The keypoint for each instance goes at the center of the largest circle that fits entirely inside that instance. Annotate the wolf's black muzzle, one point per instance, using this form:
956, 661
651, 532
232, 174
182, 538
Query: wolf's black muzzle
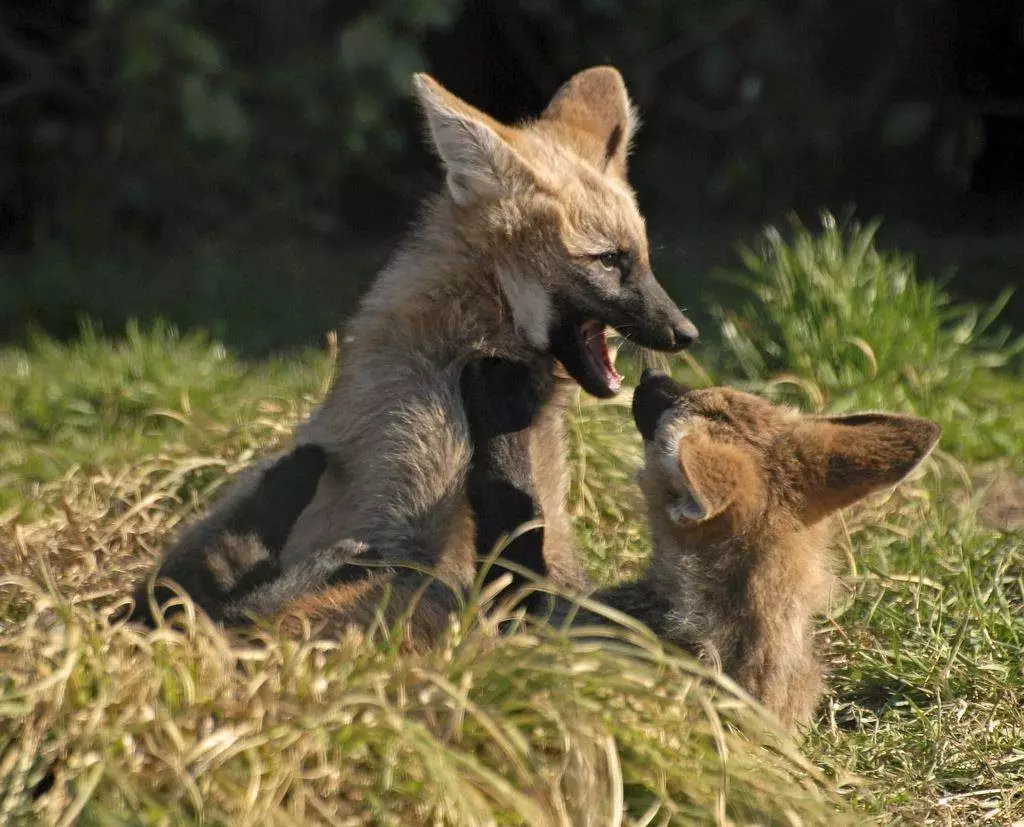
656, 393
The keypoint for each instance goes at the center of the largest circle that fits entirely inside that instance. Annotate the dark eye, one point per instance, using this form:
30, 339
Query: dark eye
718, 416
614, 260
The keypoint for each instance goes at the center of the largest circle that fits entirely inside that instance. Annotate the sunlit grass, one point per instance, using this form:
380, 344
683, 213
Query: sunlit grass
109, 723
107, 446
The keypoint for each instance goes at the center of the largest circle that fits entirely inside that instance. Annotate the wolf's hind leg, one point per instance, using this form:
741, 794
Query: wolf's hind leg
347, 561
236, 547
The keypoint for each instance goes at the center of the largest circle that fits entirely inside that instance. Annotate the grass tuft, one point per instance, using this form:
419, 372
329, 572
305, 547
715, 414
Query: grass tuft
102, 721
830, 321
102, 403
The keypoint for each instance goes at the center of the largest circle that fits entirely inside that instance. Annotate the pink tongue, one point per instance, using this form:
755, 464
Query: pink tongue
593, 337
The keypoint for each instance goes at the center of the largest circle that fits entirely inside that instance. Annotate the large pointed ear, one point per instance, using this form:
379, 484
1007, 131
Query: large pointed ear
474, 147
845, 458
710, 477
592, 112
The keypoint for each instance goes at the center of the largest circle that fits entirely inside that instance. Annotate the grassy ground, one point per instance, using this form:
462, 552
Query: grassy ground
106, 447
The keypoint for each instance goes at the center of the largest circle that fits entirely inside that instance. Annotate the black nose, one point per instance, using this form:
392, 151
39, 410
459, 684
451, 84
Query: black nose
656, 393
684, 333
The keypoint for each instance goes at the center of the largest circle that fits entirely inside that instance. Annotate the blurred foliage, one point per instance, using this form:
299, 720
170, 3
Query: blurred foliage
253, 163
763, 98
222, 109
140, 121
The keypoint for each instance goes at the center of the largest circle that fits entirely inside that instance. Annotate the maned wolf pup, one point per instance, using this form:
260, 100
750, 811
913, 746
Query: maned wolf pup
534, 246
739, 493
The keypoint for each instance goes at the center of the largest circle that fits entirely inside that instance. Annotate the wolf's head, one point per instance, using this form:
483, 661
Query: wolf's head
545, 205
720, 463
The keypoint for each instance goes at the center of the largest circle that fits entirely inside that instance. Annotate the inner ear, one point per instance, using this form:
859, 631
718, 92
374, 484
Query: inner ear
844, 459
476, 150
713, 475
593, 115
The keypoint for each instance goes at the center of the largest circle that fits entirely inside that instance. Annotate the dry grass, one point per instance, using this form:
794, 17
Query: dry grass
105, 724
107, 447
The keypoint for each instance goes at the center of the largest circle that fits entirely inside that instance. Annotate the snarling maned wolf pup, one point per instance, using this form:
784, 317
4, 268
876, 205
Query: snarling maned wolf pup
533, 248
739, 495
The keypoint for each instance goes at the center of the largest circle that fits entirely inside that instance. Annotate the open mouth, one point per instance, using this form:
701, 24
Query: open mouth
582, 348
599, 362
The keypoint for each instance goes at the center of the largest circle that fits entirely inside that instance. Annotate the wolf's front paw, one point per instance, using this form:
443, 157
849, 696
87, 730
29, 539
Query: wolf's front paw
343, 562
339, 554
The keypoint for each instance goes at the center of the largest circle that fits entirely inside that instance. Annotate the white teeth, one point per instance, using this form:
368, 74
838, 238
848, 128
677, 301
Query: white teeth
595, 349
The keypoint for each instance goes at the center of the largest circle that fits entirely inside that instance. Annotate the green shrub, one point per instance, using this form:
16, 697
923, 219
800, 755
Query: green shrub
830, 318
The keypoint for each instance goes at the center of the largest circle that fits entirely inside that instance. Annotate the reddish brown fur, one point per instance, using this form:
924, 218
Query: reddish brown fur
738, 492
423, 608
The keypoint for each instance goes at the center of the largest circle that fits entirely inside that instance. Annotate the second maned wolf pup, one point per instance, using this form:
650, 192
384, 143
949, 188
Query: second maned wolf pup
740, 495
534, 247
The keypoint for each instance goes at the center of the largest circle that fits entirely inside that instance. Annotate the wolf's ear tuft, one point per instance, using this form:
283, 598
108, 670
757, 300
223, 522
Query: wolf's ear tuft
474, 147
592, 112
713, 475
846, 458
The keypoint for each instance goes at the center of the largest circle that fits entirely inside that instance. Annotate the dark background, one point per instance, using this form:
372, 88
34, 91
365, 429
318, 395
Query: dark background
247, 166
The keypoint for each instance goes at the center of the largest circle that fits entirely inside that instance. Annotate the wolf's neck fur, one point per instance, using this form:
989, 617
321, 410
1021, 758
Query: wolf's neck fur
439, 295
437, 304
770, 580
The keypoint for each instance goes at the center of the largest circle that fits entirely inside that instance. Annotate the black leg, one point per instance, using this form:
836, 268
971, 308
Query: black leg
500, 399
282, 494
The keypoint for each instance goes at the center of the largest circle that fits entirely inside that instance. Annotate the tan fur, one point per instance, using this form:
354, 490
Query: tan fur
519, 201
231, 556
738, 494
